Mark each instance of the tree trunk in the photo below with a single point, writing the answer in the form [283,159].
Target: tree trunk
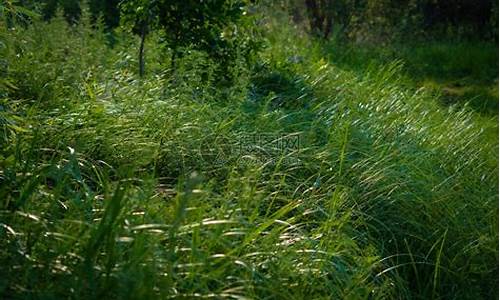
[173,59]
[141,51]
[314,15]
[320,17]
[329,12]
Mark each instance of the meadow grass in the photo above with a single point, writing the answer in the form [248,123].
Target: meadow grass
[117,187]
[463,72]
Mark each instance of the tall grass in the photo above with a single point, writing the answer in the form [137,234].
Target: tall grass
[124,188]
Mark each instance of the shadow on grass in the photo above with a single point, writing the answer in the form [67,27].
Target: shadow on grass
[280,88]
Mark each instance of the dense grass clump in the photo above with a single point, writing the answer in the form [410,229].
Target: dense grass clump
[303,179]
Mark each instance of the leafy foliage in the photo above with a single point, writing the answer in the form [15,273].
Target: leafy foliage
[213,27]
[107,9]
[71,9]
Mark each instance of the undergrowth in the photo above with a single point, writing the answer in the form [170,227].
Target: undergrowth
[168,187]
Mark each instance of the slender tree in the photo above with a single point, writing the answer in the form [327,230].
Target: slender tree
[198,24]
[140,16]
